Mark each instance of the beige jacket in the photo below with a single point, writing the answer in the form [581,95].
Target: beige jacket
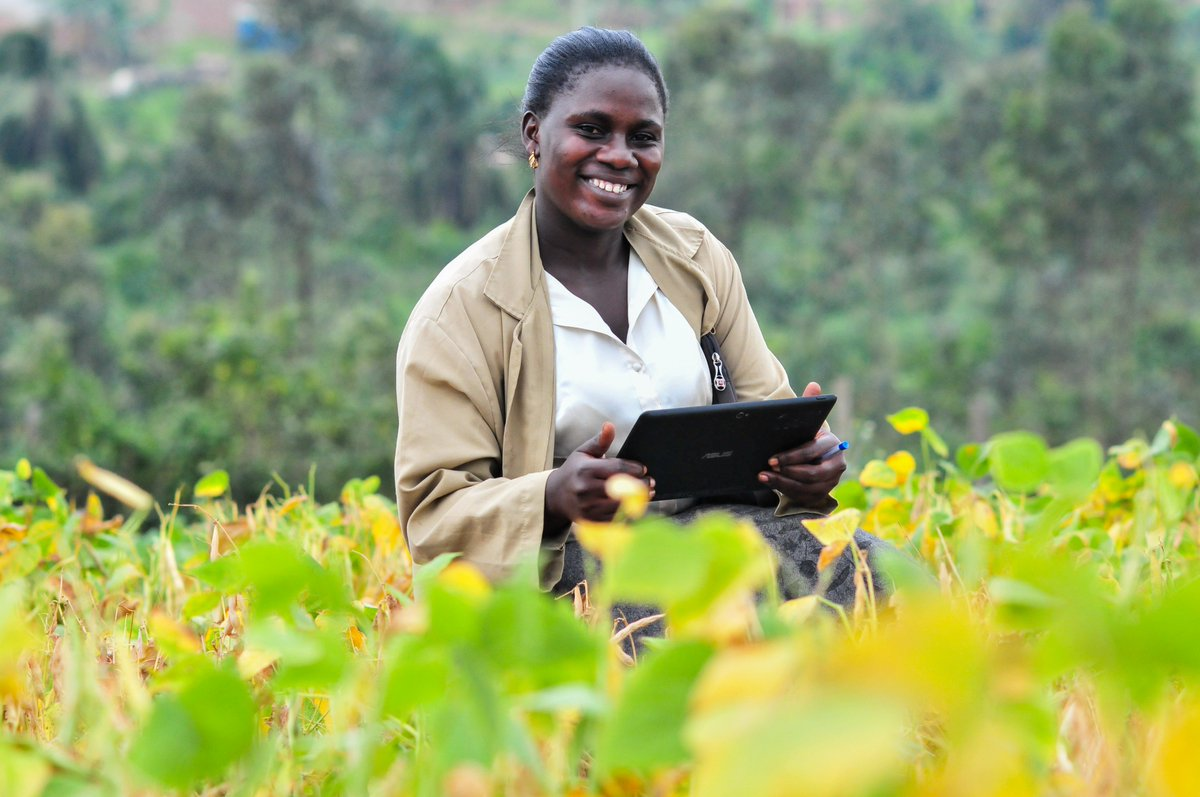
[475,384]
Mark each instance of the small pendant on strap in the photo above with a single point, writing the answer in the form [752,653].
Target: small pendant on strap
[718,372]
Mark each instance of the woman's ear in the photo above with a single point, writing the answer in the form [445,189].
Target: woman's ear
[529,132]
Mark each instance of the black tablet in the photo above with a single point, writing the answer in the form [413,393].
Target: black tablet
[694,452]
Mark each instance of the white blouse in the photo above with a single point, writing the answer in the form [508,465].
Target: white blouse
[600,378]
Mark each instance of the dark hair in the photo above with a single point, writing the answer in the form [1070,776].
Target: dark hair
[580,51]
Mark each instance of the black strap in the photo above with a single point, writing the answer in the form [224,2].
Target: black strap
[718,372]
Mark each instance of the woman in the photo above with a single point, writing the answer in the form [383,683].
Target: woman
[529,357]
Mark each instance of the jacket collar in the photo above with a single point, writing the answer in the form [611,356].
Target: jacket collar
[668,251]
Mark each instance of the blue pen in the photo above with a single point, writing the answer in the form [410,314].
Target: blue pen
[842,446]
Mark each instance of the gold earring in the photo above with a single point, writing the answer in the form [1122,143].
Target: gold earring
[533,161]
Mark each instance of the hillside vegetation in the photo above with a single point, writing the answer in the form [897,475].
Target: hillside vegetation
[984,209]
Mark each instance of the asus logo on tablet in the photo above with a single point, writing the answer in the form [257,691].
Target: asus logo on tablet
[717,455]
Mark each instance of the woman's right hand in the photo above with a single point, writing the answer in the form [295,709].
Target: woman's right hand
[575,489]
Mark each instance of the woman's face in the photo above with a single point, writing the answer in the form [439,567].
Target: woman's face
[600,146]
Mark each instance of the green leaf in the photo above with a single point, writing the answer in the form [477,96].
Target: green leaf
[1075,467]
[1018,593]
[536,643]
[1188,441]
[195,735]
[214,485]
[972,461]
[310,659]
[1020,461]
[935,441]
[850,495]
[418,675]
[638,574]
[280,573]
[201,603]
[43,485]
[224,574]
[645,732]
[74,786]
[587,700]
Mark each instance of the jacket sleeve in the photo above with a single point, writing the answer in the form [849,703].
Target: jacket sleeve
[449,489]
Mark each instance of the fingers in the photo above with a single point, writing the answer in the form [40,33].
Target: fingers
[811,389]
[802,484]
[598,446]
[813,452]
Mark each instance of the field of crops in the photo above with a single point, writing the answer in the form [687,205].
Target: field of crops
[1042,641]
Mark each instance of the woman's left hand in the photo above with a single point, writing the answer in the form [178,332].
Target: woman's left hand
[808,473]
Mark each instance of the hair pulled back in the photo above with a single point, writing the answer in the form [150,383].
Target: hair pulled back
[580,51]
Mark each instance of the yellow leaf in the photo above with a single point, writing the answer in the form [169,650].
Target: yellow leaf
[903,464]
[340,544]
[18,642]
[385,529]
[1130,460]
[797,610]
[171,636]
[840,525]
[291,504]
[110,483]
[909,420]
[878,473]
[320,705]
[250,662]
[740,676]
[634,494]
[1173,762]
[1182,475]
[358,641]
[888,512]
[980,516]
[24,469]
[94,509]
[603,540]
[1172,433]
[830,553]
[465,578]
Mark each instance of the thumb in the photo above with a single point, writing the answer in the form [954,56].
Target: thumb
[811,389]
[598,446]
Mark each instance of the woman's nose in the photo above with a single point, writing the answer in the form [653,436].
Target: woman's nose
[617,154]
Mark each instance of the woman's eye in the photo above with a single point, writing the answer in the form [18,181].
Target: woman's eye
[644,138]
[591,131]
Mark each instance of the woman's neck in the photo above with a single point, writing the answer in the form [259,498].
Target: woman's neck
[565,248]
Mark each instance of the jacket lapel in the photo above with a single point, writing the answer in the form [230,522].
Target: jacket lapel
[669,255]
[517,287]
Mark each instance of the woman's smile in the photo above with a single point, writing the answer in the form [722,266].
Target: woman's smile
[615,189]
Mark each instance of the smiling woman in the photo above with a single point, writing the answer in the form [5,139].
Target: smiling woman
[531,355]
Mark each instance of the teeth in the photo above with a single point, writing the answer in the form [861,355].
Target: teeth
[612,188]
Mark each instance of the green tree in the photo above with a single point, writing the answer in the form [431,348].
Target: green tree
[909,48]
[1105,139]
[43,121]
[749,111]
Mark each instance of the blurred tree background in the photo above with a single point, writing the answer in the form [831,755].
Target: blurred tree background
[989,209]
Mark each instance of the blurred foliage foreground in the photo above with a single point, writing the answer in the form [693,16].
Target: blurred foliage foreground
[1041,641]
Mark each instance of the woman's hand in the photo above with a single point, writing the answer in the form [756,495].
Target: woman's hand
[808,473]
[575,489]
